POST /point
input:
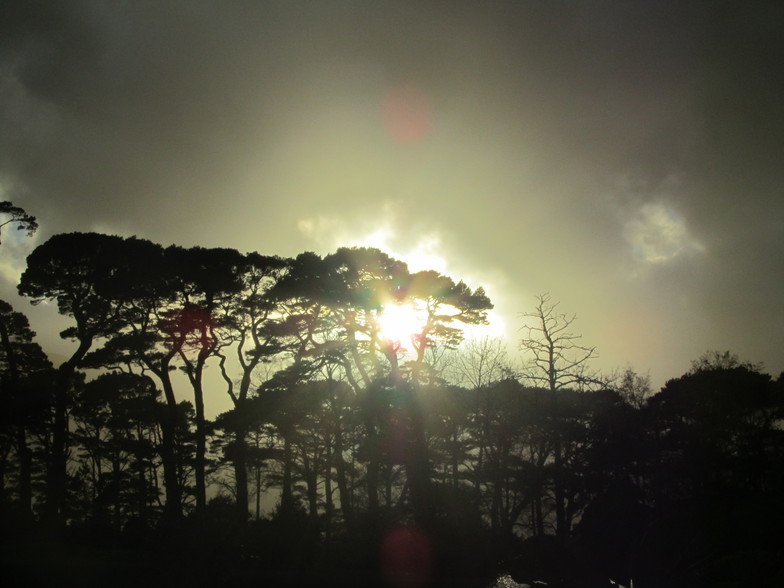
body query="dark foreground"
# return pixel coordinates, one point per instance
(198, 554)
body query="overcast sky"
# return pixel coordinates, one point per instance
(625, 156)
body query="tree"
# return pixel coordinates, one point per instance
(720, 360)
(557, 361)
(480, 362)
(479, 365)
(189, 305)
(204, 280)
(244, 320)
(634, 388)
(443, 303)
(24, 368)
(332, 310)
(115, 426)
(77, 270)
(10, 214)
(721, 420)
(168, 301)
(717, 453)
(513, 425)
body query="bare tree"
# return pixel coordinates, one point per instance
(557, 362)
(556, 358)
(480, 362)
(480, 365)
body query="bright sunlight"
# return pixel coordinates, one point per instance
(398, 323)
(420, 251)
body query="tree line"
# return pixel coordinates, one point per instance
(339, 437)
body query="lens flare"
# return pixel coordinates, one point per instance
(407, 558)
(407, 113)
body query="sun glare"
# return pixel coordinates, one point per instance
(420, 251)
(398, 323)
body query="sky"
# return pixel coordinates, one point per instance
(624, 156)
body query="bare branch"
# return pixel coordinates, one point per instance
(480, 362)
(557, 359)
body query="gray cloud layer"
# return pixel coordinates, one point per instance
(625, 156)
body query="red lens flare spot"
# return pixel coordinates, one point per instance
(407, 113)
(406, 558)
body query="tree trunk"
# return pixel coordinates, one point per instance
(498, 487)
(287, 494)
(418, 466)
(168, 424)
(312, 485)
(343, 489)
(372, 473)
(539, 516)
(20, 416)
(240, 464)
(195, 374)
(455, 462)
(328, 505)
(25, 471)
(561, 526)
(141, 482)
(201, 448)
(116, 492)
(56, 471)
(56, 465)
(258, 492)
(369, 410)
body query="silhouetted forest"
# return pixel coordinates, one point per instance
(348, 458)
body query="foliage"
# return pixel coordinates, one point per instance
(10, 214)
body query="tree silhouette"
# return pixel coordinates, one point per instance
(365, 441)
(25, 382)
(205, 279)
(10, 214)
(244, 321)
(716, 449)
(720, 422)
(332, 307)
(76, 270)
(115, 422)
(148, 335)
(330, 320)
(557, 361)
(634, 388)
(480, 365)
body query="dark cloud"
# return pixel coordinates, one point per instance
(625, 156)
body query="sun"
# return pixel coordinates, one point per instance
(398, 323)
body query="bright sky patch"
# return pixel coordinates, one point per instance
(658, 234)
